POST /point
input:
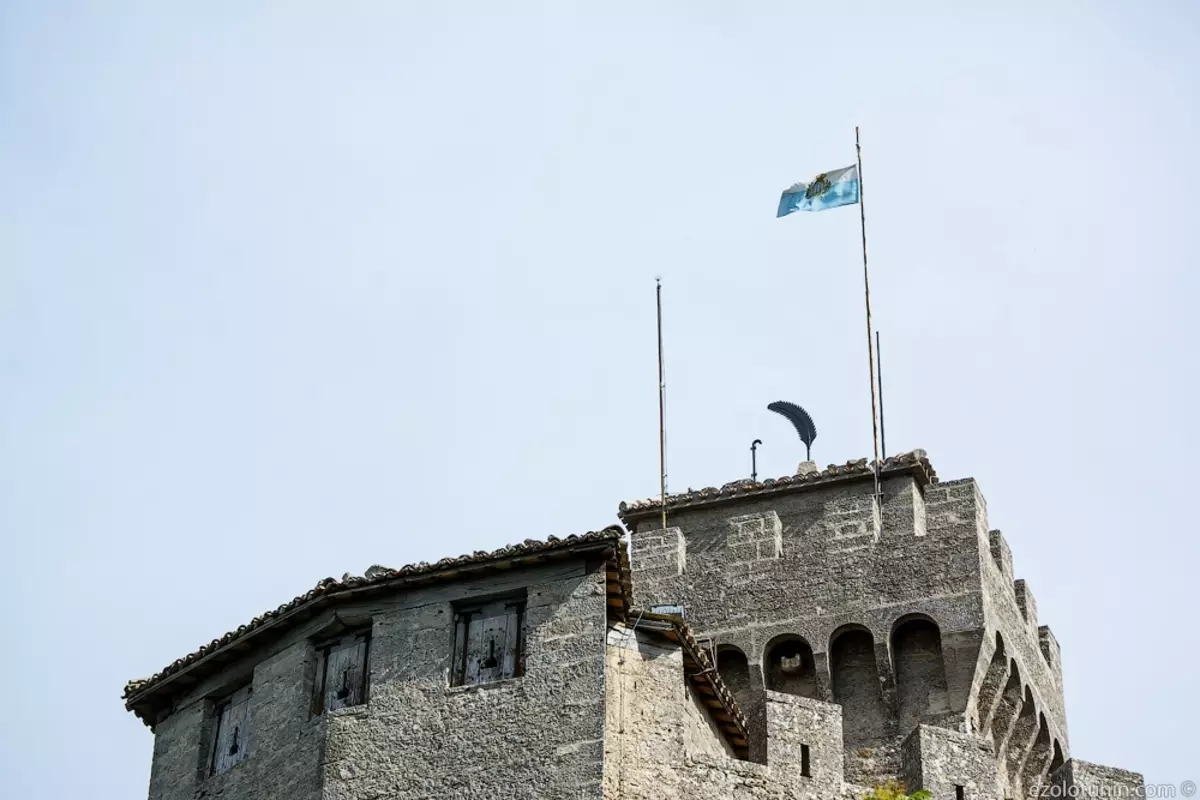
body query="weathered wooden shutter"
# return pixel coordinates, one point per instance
(458, 673)
(488, 644)
(514, 656)
(231, 734)
(345, 673)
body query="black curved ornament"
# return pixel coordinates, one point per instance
(801, 420)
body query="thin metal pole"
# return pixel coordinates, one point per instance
(662, 407)
(754, 459)
(862, 211)
(882, 430)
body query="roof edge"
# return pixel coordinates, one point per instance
(915, 463)
(142, 695)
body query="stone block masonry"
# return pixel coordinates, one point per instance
(540, 734)
(905, 614)
(835, 642)
(663, 553)
(285, 739)
(659, 745)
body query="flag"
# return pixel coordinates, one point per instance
(827, 190)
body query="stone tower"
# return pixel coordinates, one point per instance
(905, 614)
(826, 643)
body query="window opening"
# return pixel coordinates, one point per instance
(488, 642)
(342, 675)
(231, 728)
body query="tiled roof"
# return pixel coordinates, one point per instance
(144, 695)
(915, 463)
(703, 676)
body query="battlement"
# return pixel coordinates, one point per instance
(895, 610)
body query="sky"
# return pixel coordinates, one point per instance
(290, 289)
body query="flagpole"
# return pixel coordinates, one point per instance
(879, 369)
(662, 408)
(862, 212)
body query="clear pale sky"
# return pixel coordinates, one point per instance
(289, 289)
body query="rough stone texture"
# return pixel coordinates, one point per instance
(887, 642)
(466, 741)
(941, 760)
(660, 744)
(910, 612)
(797, 721)
(285, 740)
(1080, 779)
(539, 735)
(178, 754)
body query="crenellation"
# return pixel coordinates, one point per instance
(1026, 603)
(754, 537)
(1001, 554)
(1050, 650)
(664, 550)
(904, 509)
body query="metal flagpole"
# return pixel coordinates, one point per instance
(867, 292)
(882, 430)
(662, 408)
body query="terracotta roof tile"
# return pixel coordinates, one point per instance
(914, 462)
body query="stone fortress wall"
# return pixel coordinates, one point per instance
(541, 734)
(904, 616)
(827, 645)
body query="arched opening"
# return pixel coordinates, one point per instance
(989, 692)
(1057, 760)
(1037, 763)
(734, 670)
(1021, 740)
(1007, 707)
(744, 682)
(920, 673)
(789, 666)
(856, 685)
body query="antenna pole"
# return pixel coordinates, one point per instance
(862, 212)
(754, 459)
(882, 433)
(662, 407)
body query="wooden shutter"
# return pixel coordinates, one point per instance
(514, 657)
(462, 622)
(231, 733)
(344, 681)
(488, 643)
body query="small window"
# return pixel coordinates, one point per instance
(805, 769)
(231, 731)
(488, 643)
(342, 672)
(959, 792)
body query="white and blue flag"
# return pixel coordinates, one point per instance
(827, 190)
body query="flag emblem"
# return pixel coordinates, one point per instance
(839, 187)
(818, 187)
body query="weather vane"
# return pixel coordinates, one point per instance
(801, 420)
